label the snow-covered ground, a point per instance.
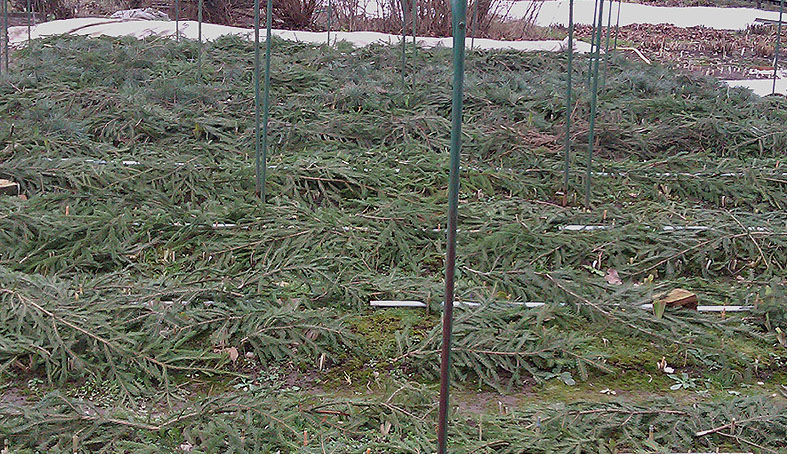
(556, 13)
(763, 87)
(210, 32)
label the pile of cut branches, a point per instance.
(138, 257)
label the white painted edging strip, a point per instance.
(397, 304)
(711, 308)
(666, 228)
(531, 304)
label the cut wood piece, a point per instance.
(678, 298)
(9, 187)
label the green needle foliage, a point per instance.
(401, 422)
(139, 261)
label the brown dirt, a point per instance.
(484, 402)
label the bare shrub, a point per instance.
(298, 14)
(52, 9)
(486, 18)
(349, 14)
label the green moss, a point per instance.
(378, 329)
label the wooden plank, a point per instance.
(8, 187)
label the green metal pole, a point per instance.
(617, 26)
(199, 38)
(458, 12)
(778, 46)
(593, 105)
(329, 22)
(415, 23)
(404, 37)
(5, 35)
(257, 164)
(177, 21)
(266, 96)
(606, 47)
(473, 26)
(592, 42)
(568, 98)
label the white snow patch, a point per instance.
(210, 32)
(763, 87)
(556, 13)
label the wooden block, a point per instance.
(678, 298)
(8, 187)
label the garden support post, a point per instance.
(606, 47)
(199, 38)
(5, 35)
(593, 106)
(617, 25)
(257, 162)
(266, 96)
(592, 42)
(415, 24)
(778, 46)
(458, 12)
(404, 40)
(177, 21)
(29, 22)
(570, 51)
(473, 26)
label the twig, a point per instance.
(756, 244)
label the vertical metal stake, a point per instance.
(778, 46)
(257, 164)
(5, 35)
(568, 98)
(593, 103)
(29, 23)
(266, 96)
(606, 47)
(404, 40)
(415, 23)
(617, 26)
(458, 12)
(329, 22)
(592, 42)
(199, 38)
(473, 26)
(177, 21)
